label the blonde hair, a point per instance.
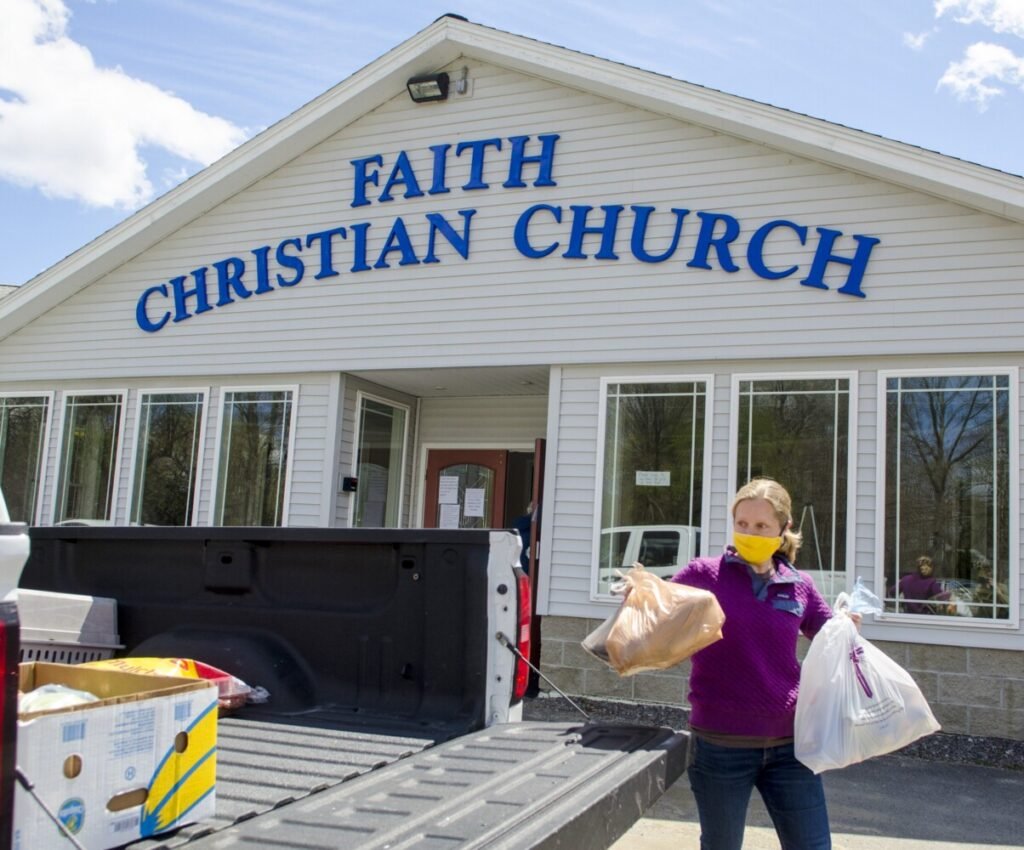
(777, 496)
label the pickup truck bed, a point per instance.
(390, 692)
(514, 785)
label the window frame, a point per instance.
(708, 382)
(1013, 508)
(115, 489)
(204, 393)
(406, 451)
(44, 453)
(851, 452)
(218, 445)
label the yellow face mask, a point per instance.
(755, 549)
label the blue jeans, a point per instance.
(722, 779)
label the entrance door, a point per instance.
(465, 488)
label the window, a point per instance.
(23, 427)
(797, 431)
(948, 504)
(254, 446)
(651, 474)
(167, 458)
(380, 461)
(89, 451)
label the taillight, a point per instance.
(8, 711)
(522, 675)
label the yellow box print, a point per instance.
(185, 775)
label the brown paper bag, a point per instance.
(658, 625)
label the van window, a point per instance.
(659, 549)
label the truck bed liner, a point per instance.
(517, 785)
(265, 761)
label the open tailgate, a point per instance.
(516, 785)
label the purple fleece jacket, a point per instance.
(746, 683)
(917, 586)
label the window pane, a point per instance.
(471, 476)
(797, 432)
(253, 458)
(22, 428)
(652, 477)
(947, 496)
(88, 457)
(379, 464)
(167, 458)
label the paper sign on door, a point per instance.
(449, 516)
(475, 501)
(448, 490)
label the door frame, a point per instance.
(421, 464)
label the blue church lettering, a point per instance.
(606, 233)
(402, 175)
(717, 233)
(238, 278)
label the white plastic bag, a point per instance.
(854, 701)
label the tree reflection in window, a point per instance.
(89, 447)
(23, 423)
(167, 458)
(653, 464)
(254, 457)
(797, 432)
(947, 494)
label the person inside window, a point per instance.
(743, 688)
(990, 599)
(921, 591)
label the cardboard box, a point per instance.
(139, 761)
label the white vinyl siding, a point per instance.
(314, 416)
(487, 422)
(941, 271)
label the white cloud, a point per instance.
(1001, 16)
(983, 73)
(75, 130)
(916, 42)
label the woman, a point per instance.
(922, 584)
(743, 688)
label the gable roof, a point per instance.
(450, 38)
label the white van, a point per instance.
(662, 549)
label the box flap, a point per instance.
(109, 685)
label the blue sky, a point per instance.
(107, 104)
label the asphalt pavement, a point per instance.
(892, 802)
